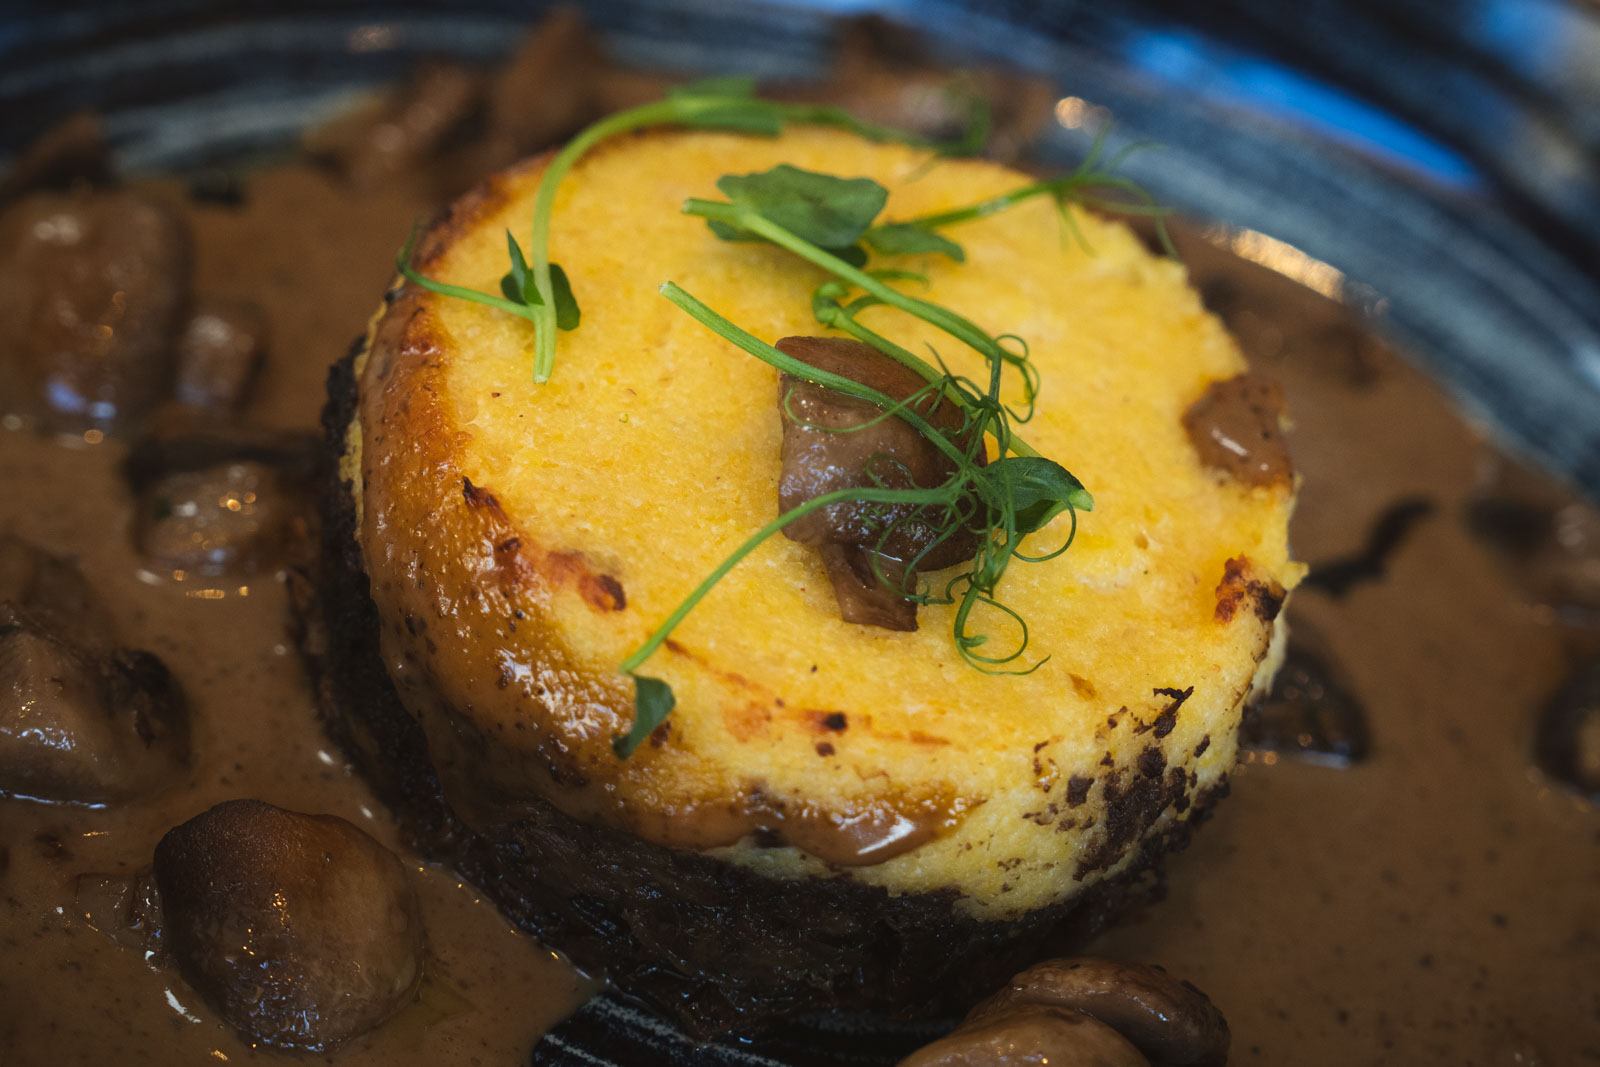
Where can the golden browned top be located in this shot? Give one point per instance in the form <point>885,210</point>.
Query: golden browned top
<point>522,539</point>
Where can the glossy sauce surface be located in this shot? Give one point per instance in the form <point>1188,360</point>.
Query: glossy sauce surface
<point>1432,904</point>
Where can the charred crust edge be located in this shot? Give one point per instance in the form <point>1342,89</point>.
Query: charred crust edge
<point>1240,587</point>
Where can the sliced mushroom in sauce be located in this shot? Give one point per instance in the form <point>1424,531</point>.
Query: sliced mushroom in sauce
<point>1546,538</point>
<point>831,442</point>
<point>215,500</point>
<point>1086,1012</point>
<point>80,720</point>
<point>71,153</point>
<point>385,143</point>
<point>229,519</point>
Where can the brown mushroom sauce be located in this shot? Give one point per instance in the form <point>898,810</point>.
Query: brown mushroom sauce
<point>1430,903</point>
<point>1236,428</point>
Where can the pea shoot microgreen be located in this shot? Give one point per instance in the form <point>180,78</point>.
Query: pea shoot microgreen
<point>833,223</point>
<point>1003,501</point>
<point>756,203</point>
<point>911,239</point>
<point>1089,184</point>
<point>537,289</point>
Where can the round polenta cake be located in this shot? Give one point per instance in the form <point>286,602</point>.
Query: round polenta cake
<point>834,813</point>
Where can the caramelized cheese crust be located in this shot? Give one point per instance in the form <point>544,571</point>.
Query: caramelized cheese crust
<point>521,539</point>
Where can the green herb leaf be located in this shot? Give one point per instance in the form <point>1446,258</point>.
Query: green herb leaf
<point>739,118</point>
<point>827,211</point>
<point>854,255</point>
<point>723,103</point>
<point>652,703</point>
<point>519,286</point>
<point>459,292</point>
<point>729,232</point>
<point>517,283</point>
<point>909,239</point>
<point>1038,489</point>
<point>567,314</point>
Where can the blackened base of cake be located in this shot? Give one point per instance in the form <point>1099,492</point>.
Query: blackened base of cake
<point>715,947</point>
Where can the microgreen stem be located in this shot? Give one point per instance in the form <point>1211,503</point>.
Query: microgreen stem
<point>839,496</point>
<point>544,314</point>
<point>707,109</point>
<point>831,313</point>
<point>995,204</point>
<point>972,491</point>
<point>838,317</point>
<point>410,273</point>
<point>1067,187</point>
<point>499,303</point>
<point>776,357</point>
<point>949,321</point>
<point>943,318</point>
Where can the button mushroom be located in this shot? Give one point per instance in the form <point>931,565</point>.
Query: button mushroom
<point>1171,1022</point>
<point>1030,1036</point>
<point>80,720</point>
<point>231,518</point>
<point>1086,1013</point>
<point>126,908</point>
<point>219,353</point>
<point>92,291</point>
<point>301,931</point>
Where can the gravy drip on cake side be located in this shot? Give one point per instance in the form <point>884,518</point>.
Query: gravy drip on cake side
<point>1433,903</point>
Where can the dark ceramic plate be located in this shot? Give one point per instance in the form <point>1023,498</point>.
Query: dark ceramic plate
<point>1439,160</point>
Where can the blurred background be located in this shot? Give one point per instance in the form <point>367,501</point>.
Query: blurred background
<point>1435,163</point>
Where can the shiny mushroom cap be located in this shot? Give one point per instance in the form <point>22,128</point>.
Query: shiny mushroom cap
<point>300,930</point>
